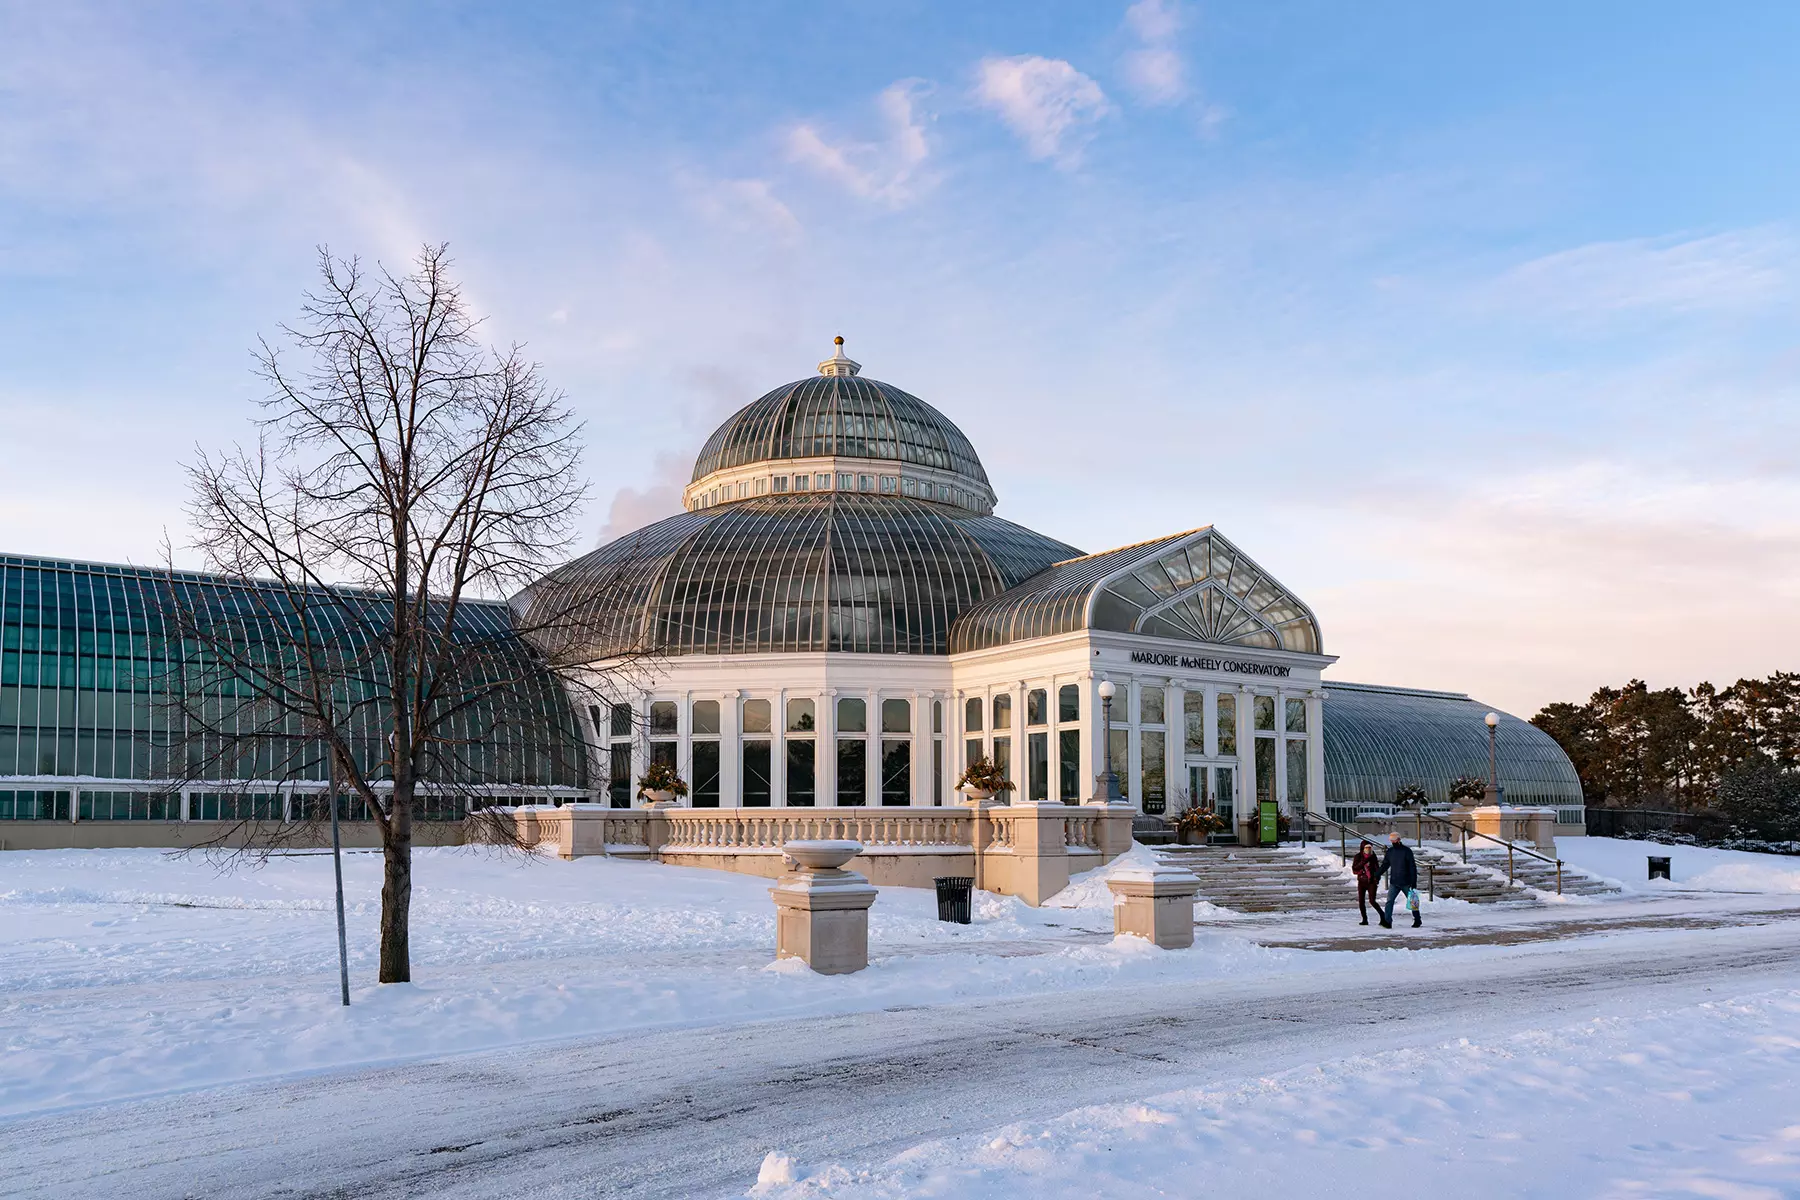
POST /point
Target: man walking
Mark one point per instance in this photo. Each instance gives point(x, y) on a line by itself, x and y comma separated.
point(1402, 872)
point(1366, 866)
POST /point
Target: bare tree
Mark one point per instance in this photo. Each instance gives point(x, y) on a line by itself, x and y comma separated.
point(406, 477)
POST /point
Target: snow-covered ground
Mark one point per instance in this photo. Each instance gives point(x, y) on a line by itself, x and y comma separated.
point(128, 973)
point(1692, 868)
point(1700, 1101)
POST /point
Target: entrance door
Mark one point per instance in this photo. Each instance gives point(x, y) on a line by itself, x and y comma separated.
point(1215, 787)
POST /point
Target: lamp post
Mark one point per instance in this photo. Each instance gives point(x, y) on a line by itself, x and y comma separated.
point(1493, 797)
point(1108, 791)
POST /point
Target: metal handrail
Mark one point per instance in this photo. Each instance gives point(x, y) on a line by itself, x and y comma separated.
point(1419, 819)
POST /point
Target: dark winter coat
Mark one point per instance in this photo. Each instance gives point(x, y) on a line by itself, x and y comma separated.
point(1401, 869)
point(1366, 865)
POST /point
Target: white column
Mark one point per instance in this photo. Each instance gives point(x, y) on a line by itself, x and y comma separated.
point(871, 749)
point(1174, 745)
point(1246, 755)
point(1125, 705)
point(731, 751)
point(825, 760)
point(1084, 774)
point(684, 745)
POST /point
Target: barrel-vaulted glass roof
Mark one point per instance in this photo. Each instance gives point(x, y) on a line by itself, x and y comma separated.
point(1194, 587)
point(841, 416)
point(1378, 739)
point(100, 673)
point(831, 571)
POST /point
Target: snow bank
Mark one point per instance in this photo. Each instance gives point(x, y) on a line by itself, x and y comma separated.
point(1694, 868)
point(1700, 1101)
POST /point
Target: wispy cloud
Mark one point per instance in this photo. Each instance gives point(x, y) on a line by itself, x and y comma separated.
point(745, 204)
point(1742, 269)
point(888, 171)
point(1155, 71)
point(1050, 105)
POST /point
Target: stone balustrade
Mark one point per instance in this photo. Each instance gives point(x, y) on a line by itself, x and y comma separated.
point(1028, 850)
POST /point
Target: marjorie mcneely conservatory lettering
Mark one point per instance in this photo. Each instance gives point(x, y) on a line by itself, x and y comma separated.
point(1230, 666)
point(838, 619)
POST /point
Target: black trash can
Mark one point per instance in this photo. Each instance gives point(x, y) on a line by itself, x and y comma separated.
point(1659, 867)
point(956, 896)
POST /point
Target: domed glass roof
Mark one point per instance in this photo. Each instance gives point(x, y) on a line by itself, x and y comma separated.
point(833, 571)
point(838, 415)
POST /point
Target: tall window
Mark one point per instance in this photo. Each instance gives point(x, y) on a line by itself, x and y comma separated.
point(757, 779)
point(1152, 778)
point(1150, 705)
point(1068, 703)
point(800, 773)
point(1296, 775)
point(1068, 755)
point(618, 783)
point(1263, 708)
point(1227, 724)
point(852, 772)
point(896, 771)
point(1003, 713)
point(1193, 712)
point(1037, 764)
point(800, 716)
point(1037, 707)
point(1296, 716)
point(972, 715)
point(704, 786)
point(1265, 769)
point(663, 717)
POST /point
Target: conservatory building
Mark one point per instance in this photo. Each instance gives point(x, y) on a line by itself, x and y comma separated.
point(839, 619)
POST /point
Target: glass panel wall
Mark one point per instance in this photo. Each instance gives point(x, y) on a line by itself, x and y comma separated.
point(1037, 707)
point(619, 789)
point(1068, 702)
point(756, 716)
point(1150, 705)
point(800, 716)
point(1227, 724)
point(1296, 716)
point(896, 716)
point(972, 715)
point(1265, 769)
point(1193, 715)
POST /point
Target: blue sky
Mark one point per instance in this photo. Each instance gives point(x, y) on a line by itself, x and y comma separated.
point(1477, 329)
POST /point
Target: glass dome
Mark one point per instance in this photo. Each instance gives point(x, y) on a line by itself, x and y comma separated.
point(829, 571)
point(839, 416)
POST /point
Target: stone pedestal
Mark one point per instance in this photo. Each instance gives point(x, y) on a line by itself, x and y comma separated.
point(822, 910)
point(1115, 827)
point(1155, 903)
point(1040, 853)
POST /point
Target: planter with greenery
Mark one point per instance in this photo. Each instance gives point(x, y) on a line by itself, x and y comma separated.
point(1410, 795)
point(1467, 790)
point(661, 782)
point(1194, 825)
point(983, 779)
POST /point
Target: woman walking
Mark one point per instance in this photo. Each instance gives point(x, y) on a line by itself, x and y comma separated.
point(1367, 866)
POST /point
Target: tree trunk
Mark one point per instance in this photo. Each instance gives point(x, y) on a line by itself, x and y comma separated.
point(396, 903)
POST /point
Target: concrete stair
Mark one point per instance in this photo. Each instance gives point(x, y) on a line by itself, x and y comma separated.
point(1541, 876)
point(1263, 879)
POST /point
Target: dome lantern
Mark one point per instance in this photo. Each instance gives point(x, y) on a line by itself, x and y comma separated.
point(839, 363)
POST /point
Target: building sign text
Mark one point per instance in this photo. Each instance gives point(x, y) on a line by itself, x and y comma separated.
point(1235, 666)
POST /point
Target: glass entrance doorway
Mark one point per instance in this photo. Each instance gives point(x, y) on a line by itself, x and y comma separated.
point(1214, 786)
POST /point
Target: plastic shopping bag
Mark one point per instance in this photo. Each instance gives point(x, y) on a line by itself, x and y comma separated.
point(1412, 899)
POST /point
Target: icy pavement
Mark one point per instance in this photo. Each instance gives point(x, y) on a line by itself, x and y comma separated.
point(1702, 1100)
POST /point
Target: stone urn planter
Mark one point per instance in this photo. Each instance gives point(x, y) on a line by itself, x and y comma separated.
point(659, 796)
point(822, 910)
point(821, 855)
point(978, 793)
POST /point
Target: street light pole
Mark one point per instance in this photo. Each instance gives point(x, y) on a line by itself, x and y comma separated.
point(1493, 796)
point(1109, 782)
point(337, 866)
